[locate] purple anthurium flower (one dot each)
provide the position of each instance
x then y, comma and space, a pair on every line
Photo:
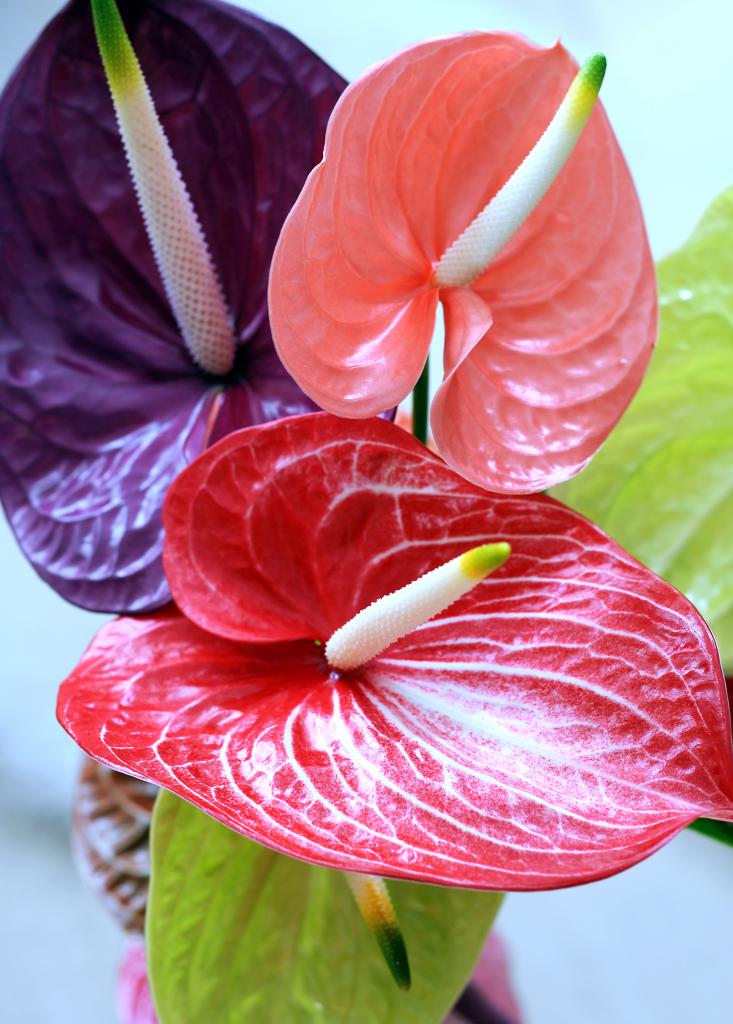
102, 401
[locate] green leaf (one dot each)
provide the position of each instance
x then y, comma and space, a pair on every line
662, 485
238, 933
720, 830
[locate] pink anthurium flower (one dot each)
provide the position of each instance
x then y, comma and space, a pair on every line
447, 178
134, 998
554, 724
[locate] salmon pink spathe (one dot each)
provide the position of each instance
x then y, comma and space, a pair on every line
547, 346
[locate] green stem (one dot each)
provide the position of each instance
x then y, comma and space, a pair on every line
720, 830
421, 404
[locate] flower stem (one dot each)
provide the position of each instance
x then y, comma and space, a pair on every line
421, 404
720, 830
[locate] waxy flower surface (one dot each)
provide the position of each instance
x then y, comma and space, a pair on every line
101, 403
556, 724
549, 303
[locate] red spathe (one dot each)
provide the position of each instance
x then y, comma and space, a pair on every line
555, 725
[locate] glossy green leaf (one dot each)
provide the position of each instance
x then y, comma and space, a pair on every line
662, 485
720, 830
238, 933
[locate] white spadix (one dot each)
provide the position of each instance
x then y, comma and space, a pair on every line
501, 218
175, 234
395, 615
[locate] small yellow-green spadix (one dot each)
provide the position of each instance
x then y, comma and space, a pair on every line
373, 900
175, 234
502, 217
395, 615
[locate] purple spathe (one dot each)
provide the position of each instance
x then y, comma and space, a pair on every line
100, 403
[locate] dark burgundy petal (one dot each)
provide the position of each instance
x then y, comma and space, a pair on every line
100, 404
262, 391
489, 997
83, 489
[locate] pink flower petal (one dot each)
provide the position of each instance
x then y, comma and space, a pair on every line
414, 151
134, 1001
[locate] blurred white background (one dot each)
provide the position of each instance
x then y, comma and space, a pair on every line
651, 946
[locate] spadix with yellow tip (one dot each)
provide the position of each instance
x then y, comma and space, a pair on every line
393, 616
173, 227
375, 904
470, 254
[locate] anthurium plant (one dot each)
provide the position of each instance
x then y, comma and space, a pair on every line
378, 684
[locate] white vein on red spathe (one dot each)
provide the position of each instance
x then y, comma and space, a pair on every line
505, 743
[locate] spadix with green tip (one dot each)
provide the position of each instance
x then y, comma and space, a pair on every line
238, 932
470, 254
177, 239
376, 907
395, 615
547, 289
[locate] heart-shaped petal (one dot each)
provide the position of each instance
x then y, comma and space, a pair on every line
415, 149
555, 725
100, 404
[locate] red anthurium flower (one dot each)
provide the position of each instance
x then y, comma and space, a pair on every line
549, 303
555, 724
104, 396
